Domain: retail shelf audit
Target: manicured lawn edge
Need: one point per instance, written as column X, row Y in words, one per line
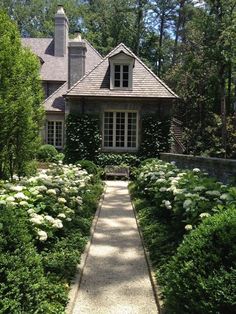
column 155, row 287
column 75, row 283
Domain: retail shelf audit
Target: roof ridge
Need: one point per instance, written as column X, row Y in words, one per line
column 54, row 93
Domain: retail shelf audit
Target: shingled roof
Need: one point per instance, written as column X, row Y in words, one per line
column 145, row 83
column 56, row 101
column 56, row 68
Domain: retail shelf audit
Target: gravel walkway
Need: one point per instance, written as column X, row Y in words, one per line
column 115, row 278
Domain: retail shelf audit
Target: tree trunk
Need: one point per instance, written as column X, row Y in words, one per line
column 178, row 25
column 162, row 25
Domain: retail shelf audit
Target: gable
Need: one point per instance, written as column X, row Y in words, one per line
column 145, row 83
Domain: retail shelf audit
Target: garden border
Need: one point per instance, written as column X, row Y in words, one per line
column 155, row 287
column 75, row 284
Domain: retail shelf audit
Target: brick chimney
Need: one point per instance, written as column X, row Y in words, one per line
column 61, row 33
column 77, row 55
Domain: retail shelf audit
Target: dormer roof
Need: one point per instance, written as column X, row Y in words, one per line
column 96, row 83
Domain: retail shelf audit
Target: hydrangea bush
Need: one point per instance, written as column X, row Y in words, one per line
column 44, row 224
column 173, row 207
column 186, row 197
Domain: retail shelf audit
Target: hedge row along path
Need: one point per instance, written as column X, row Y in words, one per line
column 116, row 278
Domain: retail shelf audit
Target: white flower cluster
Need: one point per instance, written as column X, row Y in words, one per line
column 49, row 197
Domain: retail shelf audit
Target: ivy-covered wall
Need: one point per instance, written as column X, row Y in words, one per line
column 83, row 139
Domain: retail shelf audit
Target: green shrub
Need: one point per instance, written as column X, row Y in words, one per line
column 201, row 277
column 25, row 287
column 89, row 166
column 105, row 159
column 47, row 153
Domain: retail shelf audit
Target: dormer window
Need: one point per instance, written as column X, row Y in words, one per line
column 121, row 71
column 121, row 75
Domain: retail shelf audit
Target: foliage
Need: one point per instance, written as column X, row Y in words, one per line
column 83, row 137
column 155, row 136
column 44, row 222
column 170, row 204
column 203, row 270
column 106, row 159
column 20, row 98
column 89, row 166
column 46, row 152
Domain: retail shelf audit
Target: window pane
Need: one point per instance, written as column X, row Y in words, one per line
column 117, row 68
column 108, row 129
column 125, row 83
column 125, row 68
column 117, row 83
column 125, row 79
column 50, row 133
column 132, row 127
column 120, row 129
column 58, row 137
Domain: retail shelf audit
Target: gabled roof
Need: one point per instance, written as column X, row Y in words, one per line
column 56, row 68
column 145, row 83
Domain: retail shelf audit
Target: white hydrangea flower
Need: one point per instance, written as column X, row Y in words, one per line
column 187, row 203
column 41, row 188
column 167, row 204
column 162, row 189
column 61, row 200
column 225, row 197
column 24, row 203
column 30, row 211
column 21, row 196
column 51, row 192
column 199, row 188
column 42, row 235
column 57, row 224
column 196, row 170
column 2, row 202
column 213, row 193
column 17, row 188
column 62, row 215
column 10, row 199
column 204, row 215
column 188, row 227
column 79, row 200
column 49, row 218
column 37, row 219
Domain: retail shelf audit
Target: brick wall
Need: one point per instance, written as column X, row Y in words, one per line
column 223, row 169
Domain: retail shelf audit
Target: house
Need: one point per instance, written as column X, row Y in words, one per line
column 120, row 88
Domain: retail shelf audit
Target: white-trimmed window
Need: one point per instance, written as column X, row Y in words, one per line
column 121, row 71
column 55, row 133
column 120, row 130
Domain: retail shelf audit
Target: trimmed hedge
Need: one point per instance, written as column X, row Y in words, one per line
column 201, row 277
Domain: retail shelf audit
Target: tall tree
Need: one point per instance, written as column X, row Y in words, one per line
column 20, row 98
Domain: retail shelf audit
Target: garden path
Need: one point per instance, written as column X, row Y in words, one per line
column 116, row 278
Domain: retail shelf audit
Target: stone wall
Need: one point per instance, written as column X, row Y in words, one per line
column 223, row 169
